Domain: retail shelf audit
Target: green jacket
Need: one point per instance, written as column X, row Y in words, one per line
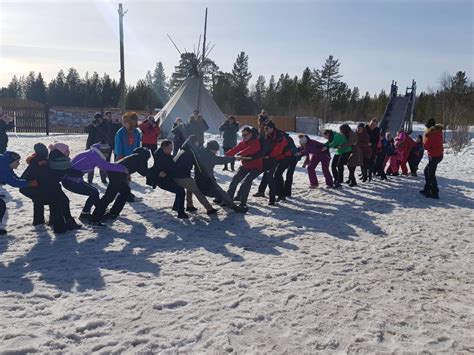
column 338, row 140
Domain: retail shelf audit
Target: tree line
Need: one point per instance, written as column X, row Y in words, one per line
column 319, row 92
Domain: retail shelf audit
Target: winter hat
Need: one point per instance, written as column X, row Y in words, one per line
column 430, row 123
column 303, row 139
column 63, row 148
column 212, row 145
column 11, row 156
column 41, row 151
column 270, row 124
column 361, row 125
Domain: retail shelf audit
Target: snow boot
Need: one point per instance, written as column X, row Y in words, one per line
column 191, row 209
column 72, row 225
column 211, row 212
column 183, row 215
column 259, row 194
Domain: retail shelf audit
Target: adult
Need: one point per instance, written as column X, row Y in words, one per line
column 99, row 132
column 245, row 151
column 314, row 153
column 206, row 159
column 185, row 163
column 179, row 135
column 278, row 162
column 114, row 125
column 6, row 124
column 336, row 140
column 229, row 129
column 150, row 133
column 164, row 172
column 433, row 144
column 196, row 126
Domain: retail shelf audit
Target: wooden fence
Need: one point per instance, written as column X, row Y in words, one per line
column 285, row 123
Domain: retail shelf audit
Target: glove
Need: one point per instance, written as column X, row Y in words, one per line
column 33, row 183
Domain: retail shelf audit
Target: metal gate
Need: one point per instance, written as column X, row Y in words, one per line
column 29, row 116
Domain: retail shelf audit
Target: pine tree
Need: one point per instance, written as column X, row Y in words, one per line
column 330, row 76
column 14, row 88
column 240, row 80
column 57, row 90
column 74, row 89
column 159, row 85
column 259, row 93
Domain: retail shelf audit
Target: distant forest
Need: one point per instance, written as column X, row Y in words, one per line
column 319, row 92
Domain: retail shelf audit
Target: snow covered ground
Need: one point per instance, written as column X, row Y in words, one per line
column 376, row 268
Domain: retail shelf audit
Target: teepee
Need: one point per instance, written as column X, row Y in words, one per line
column 191, row 95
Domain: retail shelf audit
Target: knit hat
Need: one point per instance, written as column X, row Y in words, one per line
column 212, row 145
column 41, row 151
column 11, row 156
column 430, row 123
column 63, row 148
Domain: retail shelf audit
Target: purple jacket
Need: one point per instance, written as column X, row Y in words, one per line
column 313, row 148
column 86, row 161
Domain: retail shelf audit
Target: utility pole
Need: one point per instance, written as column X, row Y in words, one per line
column 122, row 61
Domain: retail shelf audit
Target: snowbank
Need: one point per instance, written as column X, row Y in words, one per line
column 376, row 268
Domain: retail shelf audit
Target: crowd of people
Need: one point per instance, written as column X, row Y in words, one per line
column 185, row 165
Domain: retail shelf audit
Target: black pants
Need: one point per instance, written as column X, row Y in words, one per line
column 337, row 166
column 280, row 183
column 179, row 192
column 431, row 184
column 152, row 147
column 413, row 162
column 85, row 189
column 232, row 164
column 103, row 174
column 58, row 202
column 352, row 170
column 379, row 165
column 289, row 175
column 118, row 184
column 268, row 179
column 247, row 176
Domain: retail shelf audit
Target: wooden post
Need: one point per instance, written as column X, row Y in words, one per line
column 46, row 108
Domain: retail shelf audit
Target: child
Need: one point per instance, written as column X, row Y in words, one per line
column 82, row 164
column 416, row 154
column 128, row 137
column 312, row 150
column 10, row 161
column 398, row 156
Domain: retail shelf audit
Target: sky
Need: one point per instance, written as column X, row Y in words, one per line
column 376, row 41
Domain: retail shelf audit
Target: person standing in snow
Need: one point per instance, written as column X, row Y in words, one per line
column 150, row 133
column 114, row 126
column 179, row 132
column 6, row 124
column 229, row 128
column 83, row 163
column 337, row 140
column 355, row 157
column 99, row 132
column 9, row 161
column 196, row 126
column 433, row 144
column 313, row 151
column 415, row 156
column 128, row 137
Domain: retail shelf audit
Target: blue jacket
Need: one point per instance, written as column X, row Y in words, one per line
column 7, row 176
column 122, row 146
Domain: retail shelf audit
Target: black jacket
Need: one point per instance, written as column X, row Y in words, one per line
column 4, row 127
column 374, row 135
column 135, row 163
column 179, row 136
column 197, row 128
column 38, row 170
column 163, row 163
column 185, row 163
column 230, row 134
column 100, row 134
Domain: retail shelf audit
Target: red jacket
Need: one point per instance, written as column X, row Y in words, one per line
column 248, row 149
column 279, row 144
column 433, row 141
column 150, row 133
